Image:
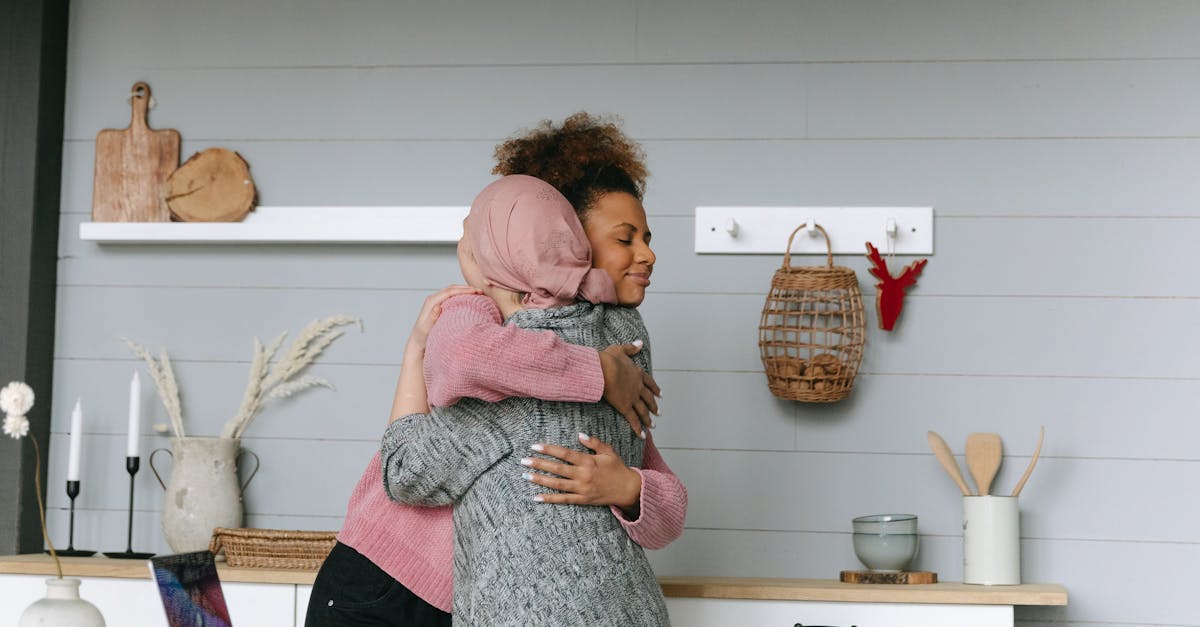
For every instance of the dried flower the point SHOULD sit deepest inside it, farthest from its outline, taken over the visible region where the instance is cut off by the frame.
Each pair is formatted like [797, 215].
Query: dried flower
[16, 398]
[164, 379]
[16, 426]
[284, 390]
[266, 381]
[277, 381]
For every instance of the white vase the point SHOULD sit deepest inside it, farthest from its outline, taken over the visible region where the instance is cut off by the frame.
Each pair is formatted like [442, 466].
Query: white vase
[62, 607]
[203, 491]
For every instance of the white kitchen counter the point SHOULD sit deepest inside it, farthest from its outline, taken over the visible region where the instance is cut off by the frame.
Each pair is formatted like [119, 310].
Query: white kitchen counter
[691, 600]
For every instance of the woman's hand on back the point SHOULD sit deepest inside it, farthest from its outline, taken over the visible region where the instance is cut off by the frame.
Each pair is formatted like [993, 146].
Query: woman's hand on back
[628, 388]
[585, 479]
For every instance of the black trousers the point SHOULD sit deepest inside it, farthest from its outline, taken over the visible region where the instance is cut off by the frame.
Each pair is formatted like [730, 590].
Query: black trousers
[351, 591]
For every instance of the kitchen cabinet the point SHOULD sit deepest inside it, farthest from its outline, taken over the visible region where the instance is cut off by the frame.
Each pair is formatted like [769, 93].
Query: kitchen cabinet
[123, 591]
[724, 612]
[135, 602]
[713, 601]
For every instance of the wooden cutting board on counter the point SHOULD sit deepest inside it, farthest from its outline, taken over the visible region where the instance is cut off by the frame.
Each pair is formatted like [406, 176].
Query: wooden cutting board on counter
[907, 576]
[132, 166]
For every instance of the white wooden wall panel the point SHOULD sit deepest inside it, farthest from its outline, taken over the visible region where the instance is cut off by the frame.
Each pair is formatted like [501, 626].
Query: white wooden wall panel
[438, 103]
[976, 177]
[778, 490]
[1015, 99]
[211, 392]
[846, 101]
[366, 32]
[867, 30]
[1056, 142]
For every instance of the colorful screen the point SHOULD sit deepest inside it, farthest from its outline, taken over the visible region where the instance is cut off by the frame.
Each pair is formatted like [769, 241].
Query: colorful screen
[190, 590]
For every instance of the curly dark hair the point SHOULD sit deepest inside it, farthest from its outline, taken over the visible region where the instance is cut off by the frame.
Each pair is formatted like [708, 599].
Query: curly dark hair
[584, 158]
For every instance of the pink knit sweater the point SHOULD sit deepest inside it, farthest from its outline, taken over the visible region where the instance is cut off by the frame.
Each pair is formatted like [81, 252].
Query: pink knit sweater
[469, 354]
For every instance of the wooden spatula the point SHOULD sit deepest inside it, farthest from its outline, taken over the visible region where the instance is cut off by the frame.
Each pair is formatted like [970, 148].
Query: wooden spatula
[1037, 452]
[132, 166]
[984, 454]
[941, 451]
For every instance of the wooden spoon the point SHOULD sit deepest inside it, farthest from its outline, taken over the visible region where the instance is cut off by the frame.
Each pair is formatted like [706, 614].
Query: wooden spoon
[941, 450]
[984, 454]
[1028, 471]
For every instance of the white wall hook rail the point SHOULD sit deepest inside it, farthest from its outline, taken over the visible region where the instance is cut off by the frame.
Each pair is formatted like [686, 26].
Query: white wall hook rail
[765, 230]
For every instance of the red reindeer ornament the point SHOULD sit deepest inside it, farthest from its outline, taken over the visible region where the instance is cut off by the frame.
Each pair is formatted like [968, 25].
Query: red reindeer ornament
[890, 299]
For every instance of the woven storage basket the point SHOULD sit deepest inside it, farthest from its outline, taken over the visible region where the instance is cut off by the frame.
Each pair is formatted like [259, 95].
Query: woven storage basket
[272, 548]
[812, 329]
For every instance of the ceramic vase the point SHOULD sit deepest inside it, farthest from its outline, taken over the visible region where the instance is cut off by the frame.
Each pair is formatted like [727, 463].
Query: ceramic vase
[203, 491]
[61, 607]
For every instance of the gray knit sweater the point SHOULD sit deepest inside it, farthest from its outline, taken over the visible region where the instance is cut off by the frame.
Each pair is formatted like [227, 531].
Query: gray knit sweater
[518, 562]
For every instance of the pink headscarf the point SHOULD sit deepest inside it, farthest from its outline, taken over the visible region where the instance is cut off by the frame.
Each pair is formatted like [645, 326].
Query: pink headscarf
[526, 238]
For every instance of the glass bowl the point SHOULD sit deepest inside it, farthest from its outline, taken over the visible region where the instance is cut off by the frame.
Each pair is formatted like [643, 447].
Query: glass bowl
[886, 542]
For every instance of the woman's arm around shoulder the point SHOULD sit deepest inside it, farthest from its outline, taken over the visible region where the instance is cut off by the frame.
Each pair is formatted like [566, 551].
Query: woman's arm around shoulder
[432, 459]
[471, 354]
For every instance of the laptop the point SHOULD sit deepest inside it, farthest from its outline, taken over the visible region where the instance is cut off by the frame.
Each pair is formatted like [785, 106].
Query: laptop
[190, 590]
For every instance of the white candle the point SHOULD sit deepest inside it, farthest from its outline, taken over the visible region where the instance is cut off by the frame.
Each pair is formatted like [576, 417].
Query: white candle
[76, 440]
[135, 415]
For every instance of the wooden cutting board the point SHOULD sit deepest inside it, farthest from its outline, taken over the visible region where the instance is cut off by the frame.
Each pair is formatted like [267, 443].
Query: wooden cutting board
[132, 166]
[211, 186]
[906, 577]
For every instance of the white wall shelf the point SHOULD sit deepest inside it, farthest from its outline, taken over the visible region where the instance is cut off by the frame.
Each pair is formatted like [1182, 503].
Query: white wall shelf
[765, 230]
[295, 225]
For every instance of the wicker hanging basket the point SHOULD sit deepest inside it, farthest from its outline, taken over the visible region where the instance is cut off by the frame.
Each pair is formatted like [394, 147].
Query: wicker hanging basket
[812, 329]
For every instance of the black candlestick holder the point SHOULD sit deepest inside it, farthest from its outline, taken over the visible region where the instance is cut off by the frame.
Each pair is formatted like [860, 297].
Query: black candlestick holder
[71, 551]
[131, 466]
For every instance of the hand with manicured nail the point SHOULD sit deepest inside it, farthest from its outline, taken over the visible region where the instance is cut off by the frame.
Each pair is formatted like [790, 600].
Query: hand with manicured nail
[628, 388]
[582, 478]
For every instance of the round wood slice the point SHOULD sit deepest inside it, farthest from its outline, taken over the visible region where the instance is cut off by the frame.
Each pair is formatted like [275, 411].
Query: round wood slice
[212, 186]
[868, 576]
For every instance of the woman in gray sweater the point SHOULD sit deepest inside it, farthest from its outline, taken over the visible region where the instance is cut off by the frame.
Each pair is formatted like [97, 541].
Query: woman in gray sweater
[516, 561]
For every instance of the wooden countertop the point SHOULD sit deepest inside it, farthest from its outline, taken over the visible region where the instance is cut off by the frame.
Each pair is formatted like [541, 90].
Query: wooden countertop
[834, 590]
[100, 566]
[695, 587]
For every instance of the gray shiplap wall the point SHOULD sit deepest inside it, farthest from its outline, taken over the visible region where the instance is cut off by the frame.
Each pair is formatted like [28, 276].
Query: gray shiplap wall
[1056, 140]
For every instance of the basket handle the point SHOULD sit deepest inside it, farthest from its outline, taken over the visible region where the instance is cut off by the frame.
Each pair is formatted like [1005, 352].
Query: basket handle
[214, 545]
[787, 256]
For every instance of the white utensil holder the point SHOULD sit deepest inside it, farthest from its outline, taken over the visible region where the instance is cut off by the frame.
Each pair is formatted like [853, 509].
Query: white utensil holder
[991, 540]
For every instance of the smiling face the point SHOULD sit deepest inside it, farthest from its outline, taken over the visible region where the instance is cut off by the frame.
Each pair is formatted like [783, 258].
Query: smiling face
[616, 228]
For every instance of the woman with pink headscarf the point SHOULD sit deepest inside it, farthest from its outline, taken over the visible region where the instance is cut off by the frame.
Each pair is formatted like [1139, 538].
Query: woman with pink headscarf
[517, 561]
[392, 564]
